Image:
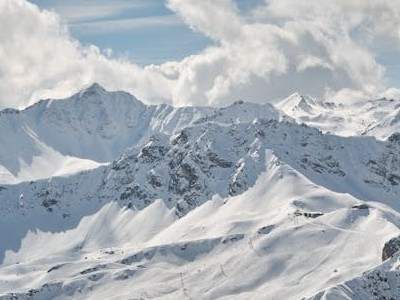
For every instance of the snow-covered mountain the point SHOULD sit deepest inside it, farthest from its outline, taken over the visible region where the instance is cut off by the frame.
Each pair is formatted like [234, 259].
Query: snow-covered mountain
[376, 117]
[103, 197]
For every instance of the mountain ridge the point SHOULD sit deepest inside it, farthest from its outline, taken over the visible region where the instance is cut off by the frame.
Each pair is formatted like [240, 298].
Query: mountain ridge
[178, 193]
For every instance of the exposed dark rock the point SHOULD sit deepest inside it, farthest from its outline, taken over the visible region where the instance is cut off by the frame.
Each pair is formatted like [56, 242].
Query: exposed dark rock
[134, 192]
[323, 165]
[265, 229]
[216, 160]
[10, 111]
[182, 138]
[390, 248]
[232, 238]
[94, 269]
[394, 179]
[48, 203]
[155, 181]
[55, 268]
[395, 138]
[152, 153]
[312, 215]
[387, 167]
[360, 206]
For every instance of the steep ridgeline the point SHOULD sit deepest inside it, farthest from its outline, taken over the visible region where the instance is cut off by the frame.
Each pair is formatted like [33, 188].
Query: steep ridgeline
[216, 158]
[65, 136]
[93, 127]
[204, 191]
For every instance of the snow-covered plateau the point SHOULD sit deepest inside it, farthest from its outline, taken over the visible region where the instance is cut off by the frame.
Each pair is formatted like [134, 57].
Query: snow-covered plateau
[104, 197]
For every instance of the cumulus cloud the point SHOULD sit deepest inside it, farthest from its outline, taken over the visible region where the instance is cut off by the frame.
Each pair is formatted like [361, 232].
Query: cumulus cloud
[319, 47]
[39, 59]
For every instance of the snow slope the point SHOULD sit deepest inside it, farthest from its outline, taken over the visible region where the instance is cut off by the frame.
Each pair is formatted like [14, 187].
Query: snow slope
[246, 246]
[58, 137]
[381, 282]
[238, 202]
[91, 128]
[376, 117]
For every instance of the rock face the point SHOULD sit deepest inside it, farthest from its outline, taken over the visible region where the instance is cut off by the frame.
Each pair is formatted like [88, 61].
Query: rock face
[390, 248]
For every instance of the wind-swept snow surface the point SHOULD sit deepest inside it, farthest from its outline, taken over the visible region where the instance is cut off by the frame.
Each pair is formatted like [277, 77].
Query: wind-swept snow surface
[375, 117]
[239, 202]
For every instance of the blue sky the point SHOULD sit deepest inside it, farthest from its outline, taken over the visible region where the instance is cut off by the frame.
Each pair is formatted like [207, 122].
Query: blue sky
[146, 32]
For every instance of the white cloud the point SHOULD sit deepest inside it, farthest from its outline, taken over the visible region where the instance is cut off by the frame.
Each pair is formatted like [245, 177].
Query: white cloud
[317, 47]
[39, 59]
[391, 93]
[219, 20]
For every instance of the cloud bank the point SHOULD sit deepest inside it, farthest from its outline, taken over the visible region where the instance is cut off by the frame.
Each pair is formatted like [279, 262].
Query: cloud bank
[39, 59]
[318, 47]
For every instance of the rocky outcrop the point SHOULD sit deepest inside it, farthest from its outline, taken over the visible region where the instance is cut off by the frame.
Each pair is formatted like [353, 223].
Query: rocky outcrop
[390, 248]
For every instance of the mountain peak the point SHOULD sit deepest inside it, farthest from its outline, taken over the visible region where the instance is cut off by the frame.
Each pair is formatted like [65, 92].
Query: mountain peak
[296, 103]
[94, 89]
